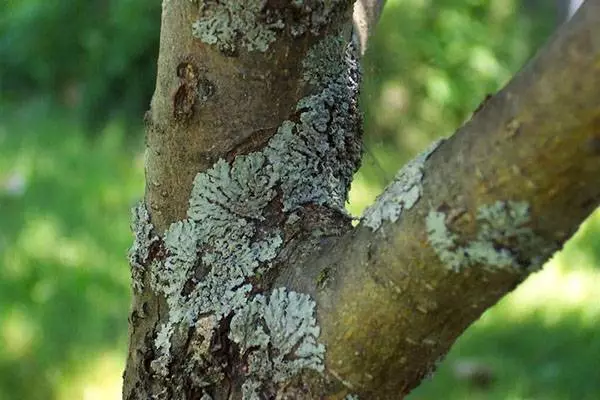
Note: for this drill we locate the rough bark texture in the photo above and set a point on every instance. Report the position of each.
(249, 281)
(395, 305)
(211, 102)
(252, 139)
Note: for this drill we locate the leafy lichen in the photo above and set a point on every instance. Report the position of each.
(323, 61)
(213, 256)
(279, 337)
(443, 240)
(504, 239)
(230, 24)
(239, 191)
(220, 241)
(250, 389)
(255, 24)
(402, 194)
(317, 156)
(313, 16)
(144, 238)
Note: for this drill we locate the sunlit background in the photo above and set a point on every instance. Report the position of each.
(75, 79)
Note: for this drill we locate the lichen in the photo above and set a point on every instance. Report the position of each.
(162, 343)
(351, 397)
(213, 256)
(323, 62)
(313, 16)
(443, 240)
(239, 191)
(250, 389)
(255, 24)
(220, 240)
(230, 24)
(278, 337)
(504, 239)
(402, 194)
(180, 241)
(144, 238)
(317, 156)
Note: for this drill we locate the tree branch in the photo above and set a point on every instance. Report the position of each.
(252, 140)
(464, 225)
(366, 14)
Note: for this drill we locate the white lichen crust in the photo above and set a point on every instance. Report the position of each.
(322, 61)
(313, 16)
(316, 157)
(221, 241)
(279, 338)
(504, 239)
(232, 23)
(226, 241)
(402, 194)
(144, 238)
(255, 24)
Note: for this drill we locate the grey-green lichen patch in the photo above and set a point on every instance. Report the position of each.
(250, 389)
(504, 239)
(279, 337)
(313, 16)
(443, 240)
(242, 190)
(317, 156)
(231, 23)
(323, 62)
(169, 277)
(220, 242)
(214, 255)
(351, 397)
(402, 194)
(144, 238)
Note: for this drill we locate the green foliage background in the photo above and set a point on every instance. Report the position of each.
(75, 78)
(96, 57)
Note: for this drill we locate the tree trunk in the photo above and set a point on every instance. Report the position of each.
(249, 279)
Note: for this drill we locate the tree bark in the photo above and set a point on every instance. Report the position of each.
(365, 16)
(250, 281)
